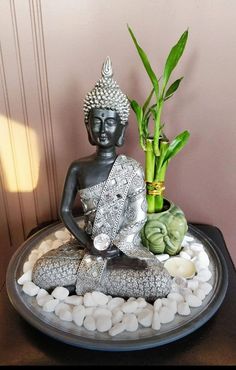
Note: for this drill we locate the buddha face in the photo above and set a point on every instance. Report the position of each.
(104, 127)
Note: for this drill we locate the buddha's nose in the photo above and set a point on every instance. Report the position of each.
(102, 129)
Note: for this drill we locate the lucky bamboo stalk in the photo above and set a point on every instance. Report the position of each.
(158, 150)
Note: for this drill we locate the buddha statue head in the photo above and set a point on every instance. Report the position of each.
(106, 111)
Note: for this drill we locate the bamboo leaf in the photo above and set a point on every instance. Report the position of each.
(149, 110)
(139, 115)
(164, 144)
(145, 126)
(146, 64)
(146, 104)
(173, 57)
(154, 113)
(177, 144)
(172, 88)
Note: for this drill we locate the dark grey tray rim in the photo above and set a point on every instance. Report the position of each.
(113, 344)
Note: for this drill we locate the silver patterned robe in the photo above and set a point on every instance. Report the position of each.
(118, 207)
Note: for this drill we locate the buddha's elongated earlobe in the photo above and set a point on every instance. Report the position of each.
(121, 139)
(92, 142)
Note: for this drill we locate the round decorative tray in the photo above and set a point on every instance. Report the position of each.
(142, 338)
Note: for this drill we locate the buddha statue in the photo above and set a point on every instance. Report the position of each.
(106, 254)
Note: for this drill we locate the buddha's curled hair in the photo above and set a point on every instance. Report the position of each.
(107, 95)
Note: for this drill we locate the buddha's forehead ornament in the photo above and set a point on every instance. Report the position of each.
(107, 95)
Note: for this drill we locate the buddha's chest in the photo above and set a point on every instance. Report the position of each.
(93, 174)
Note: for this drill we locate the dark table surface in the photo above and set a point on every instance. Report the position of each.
(214, 343)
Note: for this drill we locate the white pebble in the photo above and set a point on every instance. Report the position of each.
(166, 315)
(27, 276)
(61, 307)
(176, 297)
(149, 306)
(185, 292)
(129, 307)
(139, 309)
(193, 301)
(196, 247)
(89, 311)
(56, 244)
(185, 255)
(33, 255)
(101, 312)
(65, 315)
(78, 315)
(156, 323)
(44, 299)
(171, 304)
(115, 302)
(131, 299)
(185, 243)
(180, 281)
(193, 284)
(117, 329)
(197, 264)
(183, 309)
(44, 247)
(188, 238)
(60, 293)
(188, 251)
(199, 293)
(103, 323)
(145, 317)
(33, 258)
(141, 302)
(30, 288)
(50, 305)
(89, 323)
(28, 266)
(74, 299)
(203, 259)
(117, 316)
(61, 235)
(203, 275)
(162, 257)
(164, 301)
(206, 287)
(49, 242)
(130, 321)
(157, 304)
(99, 298)
(88, 300)
(41, 293)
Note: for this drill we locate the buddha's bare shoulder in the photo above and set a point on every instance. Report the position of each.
(77, 164)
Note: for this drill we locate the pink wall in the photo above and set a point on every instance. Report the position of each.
(79, 34)
(202, 178)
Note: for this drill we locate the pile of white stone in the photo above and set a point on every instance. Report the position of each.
(114, 315)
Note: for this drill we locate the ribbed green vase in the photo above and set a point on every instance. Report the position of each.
(164, 231)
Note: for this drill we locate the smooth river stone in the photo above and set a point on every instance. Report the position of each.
(180, 267)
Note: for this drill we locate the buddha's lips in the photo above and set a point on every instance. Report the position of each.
(103, 138)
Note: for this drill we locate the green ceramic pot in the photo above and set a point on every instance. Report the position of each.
(164, 231)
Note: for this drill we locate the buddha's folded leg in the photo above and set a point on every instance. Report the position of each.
(58, 267)
(151, 282)
(124, 277)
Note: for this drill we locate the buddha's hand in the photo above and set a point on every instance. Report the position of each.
(111, 251)
(91, 248)
(102, 246)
